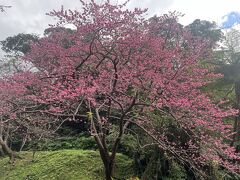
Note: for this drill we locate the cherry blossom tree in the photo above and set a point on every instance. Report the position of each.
(20, 114)
(117, 68)
(12, 89)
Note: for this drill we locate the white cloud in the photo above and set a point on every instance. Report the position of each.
(212, 10)
(28, 16)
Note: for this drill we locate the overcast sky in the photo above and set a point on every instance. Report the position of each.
(28, 16)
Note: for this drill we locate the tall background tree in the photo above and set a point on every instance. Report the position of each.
(15, 47)
(226, 58)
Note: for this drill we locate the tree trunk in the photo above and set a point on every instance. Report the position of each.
(12, 155)
(108, 171)
(107, 160)
(1, 151)
(23, 143)
(237, 119)
(237, 135)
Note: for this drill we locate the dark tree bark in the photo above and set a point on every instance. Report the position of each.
(107, 157)
(7, 150)
(1, 151)
(236, 127)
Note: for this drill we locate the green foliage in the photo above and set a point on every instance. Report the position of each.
(160, 166)
(177, 172)
(220, 90)
(18, 43)
(63, 165)
(128, 144)
(205, 30)
(81, 142)
(150, 162)
(217, 173)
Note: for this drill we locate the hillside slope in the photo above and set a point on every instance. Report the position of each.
(62, 165)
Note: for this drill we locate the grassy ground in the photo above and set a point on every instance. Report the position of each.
(62, 165)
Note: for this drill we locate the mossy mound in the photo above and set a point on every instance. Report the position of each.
(63, 165)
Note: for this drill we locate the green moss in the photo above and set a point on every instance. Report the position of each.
(63, 165)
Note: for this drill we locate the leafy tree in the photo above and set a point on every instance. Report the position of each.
(228, 60)
(15, 47)
(206, 30)
(19, 43)
(16, 109)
